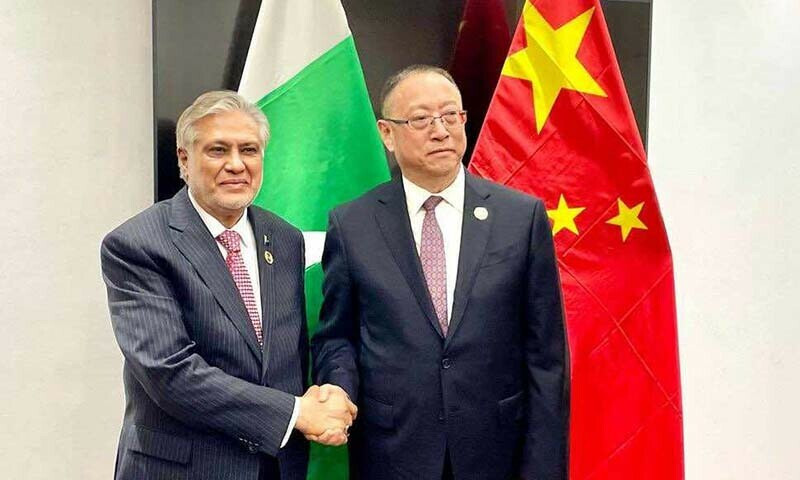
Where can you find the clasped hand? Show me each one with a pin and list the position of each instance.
(326, 414)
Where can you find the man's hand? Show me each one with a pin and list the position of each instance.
(337, 394)
(326, 414)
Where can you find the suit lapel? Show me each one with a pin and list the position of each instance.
(195, 242)
(392, 217)
(474, 236)
(265, 241)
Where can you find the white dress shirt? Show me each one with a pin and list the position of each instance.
(449, 216)
(249, 253)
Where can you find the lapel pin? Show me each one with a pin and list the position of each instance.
(266, 241)
(481, 213)
(268, 257)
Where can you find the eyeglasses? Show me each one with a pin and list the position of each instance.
(422, 122)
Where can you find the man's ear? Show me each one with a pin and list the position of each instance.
(183, 157)
(183, 160)
(386, 134)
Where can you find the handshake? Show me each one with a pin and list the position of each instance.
(326, 414)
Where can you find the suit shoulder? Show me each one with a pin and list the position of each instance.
(275, 221)
(507, 195)
(147, 224)
(360, 205)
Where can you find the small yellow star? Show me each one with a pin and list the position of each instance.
(627, 218)
(549, 60)
(564, 216)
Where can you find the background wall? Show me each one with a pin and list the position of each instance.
(724, 105)
(77, 143)
(76, 96)
(202, 45)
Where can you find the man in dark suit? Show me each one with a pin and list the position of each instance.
(206, 300)
(442, 313)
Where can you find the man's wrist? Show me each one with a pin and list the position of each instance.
(301, 423)
(292, 422)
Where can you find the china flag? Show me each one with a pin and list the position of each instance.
(560, 127)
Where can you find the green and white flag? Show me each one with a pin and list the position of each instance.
(303, 71)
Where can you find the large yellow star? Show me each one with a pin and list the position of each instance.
(564, 216)
(627, 218)
(549, 60)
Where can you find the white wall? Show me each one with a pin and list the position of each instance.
(75, 160)
(725, 108)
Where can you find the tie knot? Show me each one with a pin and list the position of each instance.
(431, 203)
(230, 240)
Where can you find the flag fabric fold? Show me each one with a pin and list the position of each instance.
(478, 57)
(302, 70)
(560, 127)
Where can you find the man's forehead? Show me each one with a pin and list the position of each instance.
(428, 103)
(426, 90)
(228, 134)
(215, 137)
(219, 126)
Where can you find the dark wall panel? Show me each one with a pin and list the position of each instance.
(201, 45)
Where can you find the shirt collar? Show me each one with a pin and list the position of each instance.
(215, 227)
(453, 194)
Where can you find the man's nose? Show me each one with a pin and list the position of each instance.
(235, 162)
(438, 130)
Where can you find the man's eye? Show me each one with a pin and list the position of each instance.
(250, 151)
(216, 150)
(450, 117)
(420, 118)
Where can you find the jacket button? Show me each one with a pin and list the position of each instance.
(441, 417)
(252, 448)
(446, 363)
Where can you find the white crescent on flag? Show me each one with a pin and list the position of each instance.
(315, 241)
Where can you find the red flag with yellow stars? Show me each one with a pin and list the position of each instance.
(560, 127)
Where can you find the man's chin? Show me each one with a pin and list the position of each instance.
(240, 202)
(447, 167)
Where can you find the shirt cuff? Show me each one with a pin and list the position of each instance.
(292, 421)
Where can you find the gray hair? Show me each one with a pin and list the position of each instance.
(210, 103)
(391, 83)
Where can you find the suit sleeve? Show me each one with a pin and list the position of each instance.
(334, 345)
(547, 358)
(303, 345)
(148, 324)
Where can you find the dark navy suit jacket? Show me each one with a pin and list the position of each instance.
(203, 399)
(493, 394)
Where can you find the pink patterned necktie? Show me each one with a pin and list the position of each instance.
(232, 243)
(431, 255)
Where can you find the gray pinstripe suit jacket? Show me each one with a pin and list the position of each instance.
(203, 400)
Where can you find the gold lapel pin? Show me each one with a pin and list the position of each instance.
(268, 257)
(481, 213)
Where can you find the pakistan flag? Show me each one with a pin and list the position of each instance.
(303, 71)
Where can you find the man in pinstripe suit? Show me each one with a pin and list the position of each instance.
(206, 301)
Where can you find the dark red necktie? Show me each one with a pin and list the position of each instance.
(232, 243)
(431, 255)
